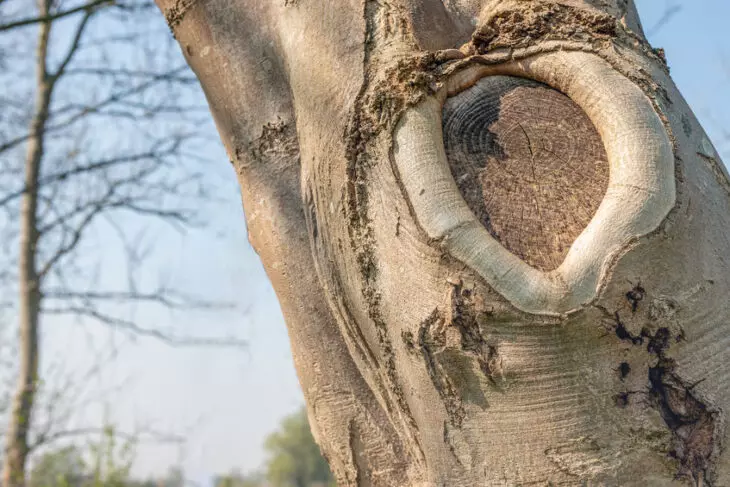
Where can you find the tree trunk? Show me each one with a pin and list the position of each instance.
(16, 439)
(496, 230)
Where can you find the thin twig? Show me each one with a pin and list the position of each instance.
(130, 326)
(54, 16)
(670, 11)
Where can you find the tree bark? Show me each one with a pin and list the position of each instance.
(16, 440)
(474, 297)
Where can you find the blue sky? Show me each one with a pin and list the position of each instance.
(698, 51)
(227, 401)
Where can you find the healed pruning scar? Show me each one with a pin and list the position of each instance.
(641, 189)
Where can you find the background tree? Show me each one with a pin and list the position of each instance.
(236, 479)
(97, 138)
(294, 458)
(104, 461)
(63, 467)
(518, 229)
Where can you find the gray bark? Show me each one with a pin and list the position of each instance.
(429, 350)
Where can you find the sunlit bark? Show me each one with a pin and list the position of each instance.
(443, 329)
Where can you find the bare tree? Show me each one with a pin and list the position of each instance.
(518, 228)
(108, 142)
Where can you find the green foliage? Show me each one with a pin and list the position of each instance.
(112, 460)
(237, 480)
(62, 468)
(294, 460)
(105, 462)
(294, 457)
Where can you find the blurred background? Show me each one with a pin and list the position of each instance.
(163, 356)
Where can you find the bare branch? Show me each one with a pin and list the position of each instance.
(90, 167)
(88, 110)
(73, 48)
(127, 73)
(89, 172)
(178, 219)
(164, 297)
(76, 234)
(671, 10)
(54, 16)
(130, 326)
(45, 438)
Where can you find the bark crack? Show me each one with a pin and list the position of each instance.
(693, 422)
(460, 361)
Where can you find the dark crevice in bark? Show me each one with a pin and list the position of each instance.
(429, 344)
(624, 398)
(624, 369)
(457, 355)
(469, 320)
(694, 423)
(450, 444)
(635, 296)
(623, 333)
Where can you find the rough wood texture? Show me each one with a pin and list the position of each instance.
(529, 163)
(417, 369)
